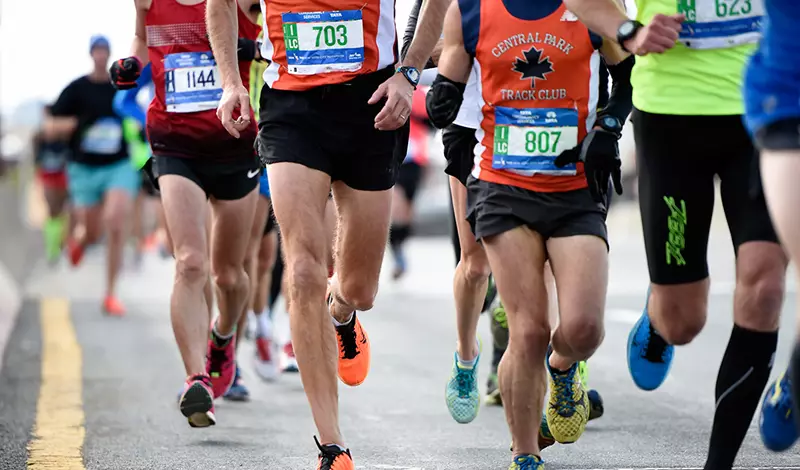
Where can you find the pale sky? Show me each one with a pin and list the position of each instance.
(44, 44)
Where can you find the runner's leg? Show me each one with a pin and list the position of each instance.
(299, 197)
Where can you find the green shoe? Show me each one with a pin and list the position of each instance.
(53, 232)
(493, 391)
(527, 462)
(499, 326)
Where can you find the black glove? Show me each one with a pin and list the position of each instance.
(125, 72)
(443, 101)
(246, 50)
(599, 153)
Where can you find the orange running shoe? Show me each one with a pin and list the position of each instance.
(113, 307)
(332, 457)
(353, 352)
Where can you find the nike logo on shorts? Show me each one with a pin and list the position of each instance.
(252, 174)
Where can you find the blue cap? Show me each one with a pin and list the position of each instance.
(98, 40)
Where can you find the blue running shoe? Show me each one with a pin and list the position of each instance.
(776, 423)
(238, 391)
(649, 356)
(461, 394)
(527, 462)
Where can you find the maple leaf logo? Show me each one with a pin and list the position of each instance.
(533, 66)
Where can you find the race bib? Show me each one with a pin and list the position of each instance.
(529, 140)
(192, 82)
(323, 42)
(104, 137)
(716, 24)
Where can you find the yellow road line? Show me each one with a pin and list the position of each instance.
(58, 432)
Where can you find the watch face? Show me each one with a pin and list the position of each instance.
(610, 122)
(413, 74)
(626, 28)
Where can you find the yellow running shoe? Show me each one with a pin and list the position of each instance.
(568, 408)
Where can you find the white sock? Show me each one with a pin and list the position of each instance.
(263, 325)
(349, 319)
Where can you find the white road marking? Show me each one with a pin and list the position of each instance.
(618, 315)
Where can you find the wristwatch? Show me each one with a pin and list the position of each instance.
(627, 31)
(610, 124)
(411, 74)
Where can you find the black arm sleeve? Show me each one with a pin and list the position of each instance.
(65, 104)
(620, 102)
(411, 28)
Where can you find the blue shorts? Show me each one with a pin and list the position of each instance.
(264, 185)
(88, 184)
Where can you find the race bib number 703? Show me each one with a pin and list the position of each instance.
(323, 42)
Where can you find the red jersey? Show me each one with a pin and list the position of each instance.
(182, 118)
(313, 43)
(538, 97)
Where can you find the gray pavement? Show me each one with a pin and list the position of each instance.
(397, 419)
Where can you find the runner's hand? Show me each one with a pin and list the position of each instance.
(658, 36)
(125, 72)
(398, 92)
(234, 98)
(599, 153)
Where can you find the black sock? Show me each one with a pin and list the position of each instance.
(742, 378)
(794, 377)
(398, 235)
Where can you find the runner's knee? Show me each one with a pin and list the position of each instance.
(306, 275)
(681, 311)
(475, 264)
(358, 293)
(191, 266)
(230, 277)
(582, 333)
(759, 293)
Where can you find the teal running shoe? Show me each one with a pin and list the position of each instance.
(461, 394)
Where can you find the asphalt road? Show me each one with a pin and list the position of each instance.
(129, 372)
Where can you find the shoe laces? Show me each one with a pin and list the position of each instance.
(527, 462)
(465, 381)
(784, 403)
(328, 455)
(655, 347)
(564, 383)
(348, 346)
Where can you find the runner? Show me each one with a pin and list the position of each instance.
(196, 160)
(50, 158)
(772, 98)
(411, 173)
(694, 91)
(528, 200)
(102, 182)
(311, 150)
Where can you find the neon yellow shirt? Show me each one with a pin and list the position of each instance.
(686, 81)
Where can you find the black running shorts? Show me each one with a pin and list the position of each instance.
(780, 135)
(332, 129)
(459, 151)
(677, 158)
(496, 208)
(225, 181)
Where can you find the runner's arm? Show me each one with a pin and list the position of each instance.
(427, 33)
(139, 45)
(62, 120)
(408, 36)
(445, 97)
(222, 20)
(602, 16)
